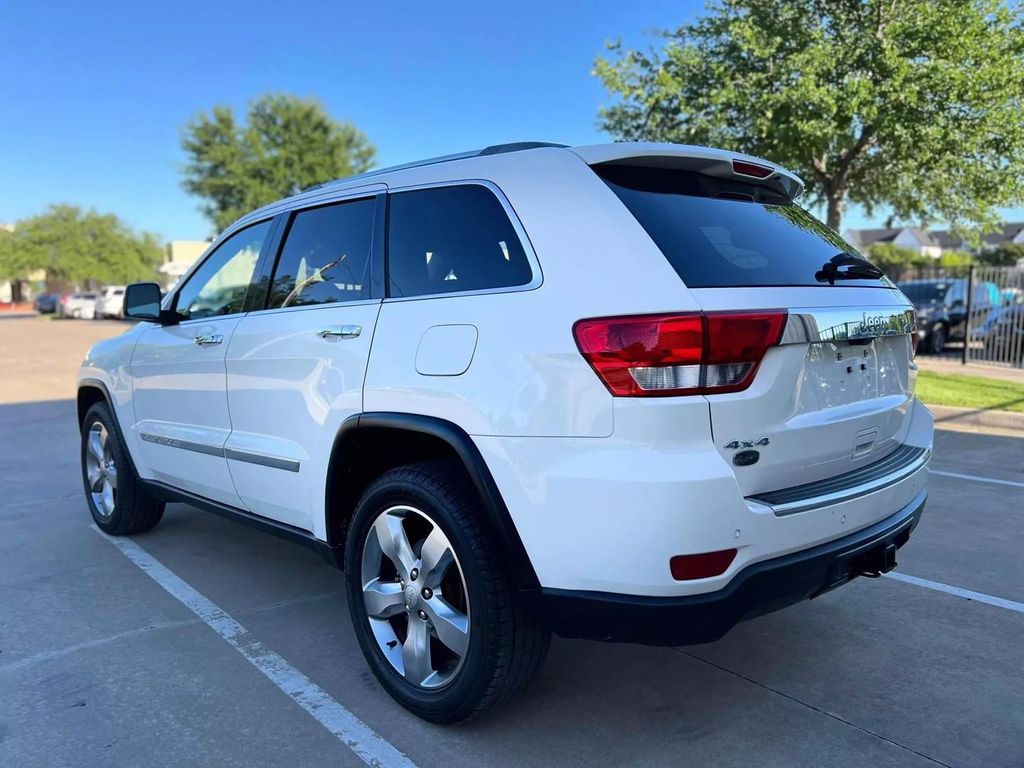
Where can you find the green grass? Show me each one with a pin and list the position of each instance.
(970, 391)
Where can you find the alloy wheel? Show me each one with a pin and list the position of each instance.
(101, 470)
(415, 597)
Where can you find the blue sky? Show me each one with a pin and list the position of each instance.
(95, 95)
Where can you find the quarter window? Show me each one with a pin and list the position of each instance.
(450, 239)
(326, 256)
(219, 285)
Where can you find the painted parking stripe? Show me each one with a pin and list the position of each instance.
(978, 478)
(938, 586)
(369, 746)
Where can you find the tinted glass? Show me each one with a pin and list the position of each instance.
(718, 233)
(452, 239)
(326, 256)
(219, 286)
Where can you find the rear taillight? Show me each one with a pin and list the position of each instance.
(686, 354)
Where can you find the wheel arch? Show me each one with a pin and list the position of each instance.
(370, 443)
(92, 391)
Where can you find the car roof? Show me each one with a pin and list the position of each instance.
(476, 163)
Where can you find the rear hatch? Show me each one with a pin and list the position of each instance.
(833, 391)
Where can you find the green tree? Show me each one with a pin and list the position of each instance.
(1005, 255)
(79, 247)
(285, 145)
(913, 104)
(955, 259)
(896, 258)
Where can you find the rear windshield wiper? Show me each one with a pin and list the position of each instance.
(846, 266)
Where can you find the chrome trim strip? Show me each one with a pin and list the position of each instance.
(821, 324)
(186, 445)
(846, 494)
(289, 465)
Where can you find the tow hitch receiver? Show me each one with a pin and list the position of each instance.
(877, 561)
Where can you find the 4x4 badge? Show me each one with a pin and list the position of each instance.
(737, 444)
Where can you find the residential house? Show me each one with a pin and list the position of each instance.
(179, 256)
(906, 237)
(934, 242)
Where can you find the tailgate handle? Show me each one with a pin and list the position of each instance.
(864, 443)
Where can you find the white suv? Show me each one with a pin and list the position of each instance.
(627, 392)
(110, 303)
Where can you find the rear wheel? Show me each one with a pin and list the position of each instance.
(437, 618)
(117, 500)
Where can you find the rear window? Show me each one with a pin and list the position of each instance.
(717, 233)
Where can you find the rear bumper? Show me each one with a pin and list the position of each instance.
(759, 588)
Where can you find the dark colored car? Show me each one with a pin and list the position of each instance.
(941, 307)
(46, 303)
(1003, 334)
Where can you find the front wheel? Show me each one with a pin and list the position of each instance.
(117, 500)
(435, 613)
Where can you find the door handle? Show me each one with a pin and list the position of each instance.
(206, 341)
(340, 332)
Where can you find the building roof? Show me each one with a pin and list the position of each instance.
(864, 237)
(1005, 235)
(943, 238)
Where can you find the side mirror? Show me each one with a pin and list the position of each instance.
(142, 302)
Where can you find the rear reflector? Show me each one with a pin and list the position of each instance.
(686, 567)
(743, 168)
(687, 354)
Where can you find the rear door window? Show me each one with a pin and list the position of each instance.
(718, 233)
(452, 239)
(326, 256)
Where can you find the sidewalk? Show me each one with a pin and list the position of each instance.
(940, 365)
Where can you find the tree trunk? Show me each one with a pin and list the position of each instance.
(835, 201)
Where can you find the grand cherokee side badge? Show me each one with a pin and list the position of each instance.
(736, 444)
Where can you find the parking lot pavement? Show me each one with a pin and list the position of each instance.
(100, 665)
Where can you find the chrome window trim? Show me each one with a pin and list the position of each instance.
(537, 275)
(289, 465)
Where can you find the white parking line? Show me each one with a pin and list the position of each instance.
(938, 586)
(369, 746)
(977, 478)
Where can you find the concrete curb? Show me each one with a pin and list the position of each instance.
(977, 420)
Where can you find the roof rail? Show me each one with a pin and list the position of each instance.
(495, 149)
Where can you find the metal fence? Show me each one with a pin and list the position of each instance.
(973, 314)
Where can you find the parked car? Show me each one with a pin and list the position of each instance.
(1003, 334)
(80, 305)
(941, 307)
(46, 303)
(627, 392)
(110, 303)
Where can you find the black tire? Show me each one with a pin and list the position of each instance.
(134, 510)
(507, 642)
(938, 338)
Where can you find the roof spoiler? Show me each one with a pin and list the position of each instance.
(704, 160)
